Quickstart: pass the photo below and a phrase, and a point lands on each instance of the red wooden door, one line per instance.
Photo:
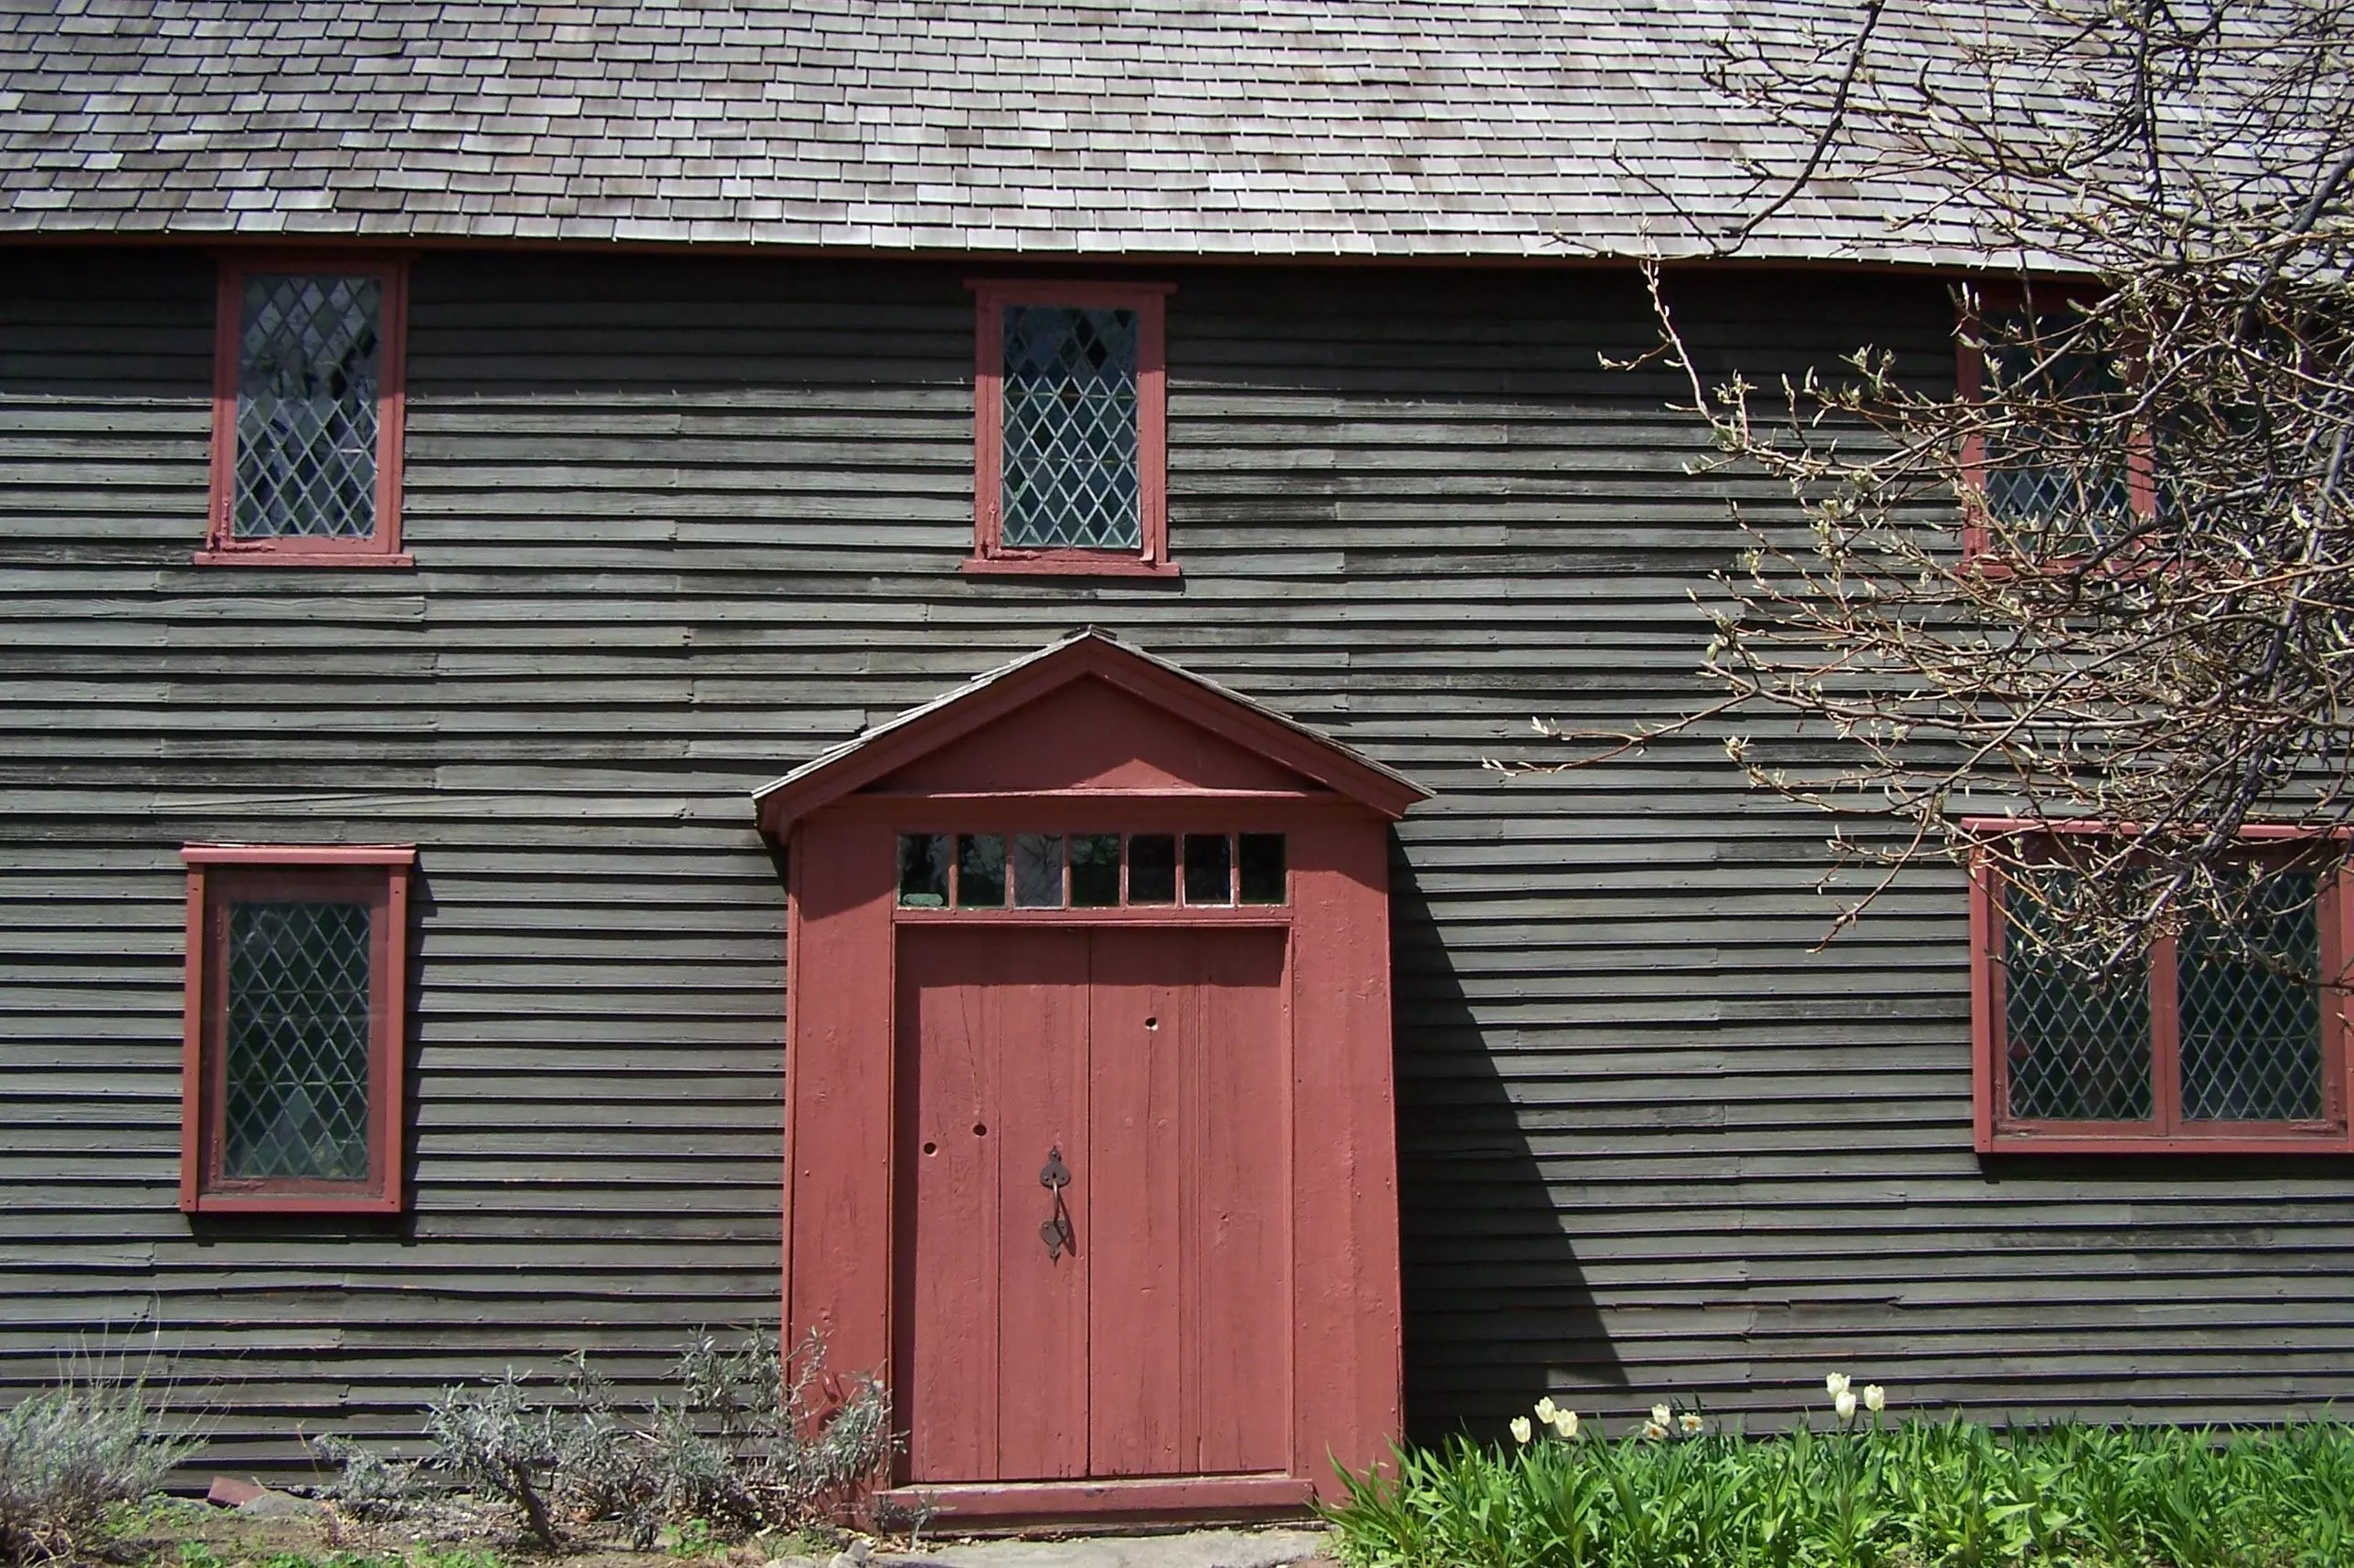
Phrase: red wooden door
(1157, 1063)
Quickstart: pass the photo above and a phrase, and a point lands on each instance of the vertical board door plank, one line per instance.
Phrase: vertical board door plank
(948, 1395)
(1239, 1204)
(1038, 980)
(1137, 1050)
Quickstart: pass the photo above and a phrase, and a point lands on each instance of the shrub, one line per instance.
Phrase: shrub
(69, 1456)
(1952, 1494)
(745, 1438)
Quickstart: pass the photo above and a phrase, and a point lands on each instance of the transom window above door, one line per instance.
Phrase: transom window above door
(1069, 443)
(1090, 871)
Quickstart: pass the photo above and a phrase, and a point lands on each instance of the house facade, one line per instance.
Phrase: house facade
(627, 636)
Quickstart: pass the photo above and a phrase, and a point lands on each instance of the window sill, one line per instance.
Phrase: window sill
(301, 558)
(2302, 1140)
(1068, 564)
(291, 1203)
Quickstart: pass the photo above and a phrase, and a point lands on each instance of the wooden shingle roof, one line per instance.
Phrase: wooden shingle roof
(1310, 128)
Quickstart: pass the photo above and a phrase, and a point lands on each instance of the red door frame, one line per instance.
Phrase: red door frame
(840, 822)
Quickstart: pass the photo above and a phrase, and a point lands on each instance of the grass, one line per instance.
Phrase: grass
(1916, 1494)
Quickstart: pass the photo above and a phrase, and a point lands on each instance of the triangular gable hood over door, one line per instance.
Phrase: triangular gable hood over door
(1204, 739)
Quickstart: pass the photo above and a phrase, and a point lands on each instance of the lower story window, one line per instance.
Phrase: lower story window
(292, 1079)
(2217, 1040)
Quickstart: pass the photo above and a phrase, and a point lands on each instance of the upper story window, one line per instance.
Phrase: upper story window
(307, 413)
(2218, 1041)
(292, 1078)
(2060, 477)
(1070, 429)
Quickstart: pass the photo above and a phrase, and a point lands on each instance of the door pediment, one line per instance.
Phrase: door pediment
(1089, 735)
(1088, 714)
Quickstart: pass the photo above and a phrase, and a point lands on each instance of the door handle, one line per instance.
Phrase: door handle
(1057, 1231)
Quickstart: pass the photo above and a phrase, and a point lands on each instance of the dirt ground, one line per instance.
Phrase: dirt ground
(185, 1533)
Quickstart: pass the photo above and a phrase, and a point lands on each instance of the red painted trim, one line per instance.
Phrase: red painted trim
(2166, 1132)
(1190, 1496)
(1066, 564)
(380, 548)
(1150, 301)
(1100, 659)
(217, 874)
(299, 854)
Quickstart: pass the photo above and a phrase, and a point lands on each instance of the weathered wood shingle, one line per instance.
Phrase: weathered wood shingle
(1429, 127)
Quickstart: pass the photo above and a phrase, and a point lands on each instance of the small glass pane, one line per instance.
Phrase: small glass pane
(1153, 868)
(1068, 476)
(2078, 1049)
(2251, 1031)
(980, 871)
(1209, 869)
(1094, 871)
(923, 871)
(1261, 859)
(297, 1042)
(1038, 871)
(306, 406)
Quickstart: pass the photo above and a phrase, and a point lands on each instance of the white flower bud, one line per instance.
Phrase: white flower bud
(1565, 1423)
(1519, 1428)
(1545, 1408)
(1875, 1399)
(1844, 1405)
(1659, 1413)
(1836, 1383)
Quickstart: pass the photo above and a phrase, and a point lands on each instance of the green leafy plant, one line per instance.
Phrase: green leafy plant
(1675, 1492)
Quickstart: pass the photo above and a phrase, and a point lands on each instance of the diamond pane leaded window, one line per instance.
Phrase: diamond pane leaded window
(2251, 1027)
(2225, 1037)
(2079, 501)
(2077, 1046)
(297, 1042)
(309, 372)
(1070, 472)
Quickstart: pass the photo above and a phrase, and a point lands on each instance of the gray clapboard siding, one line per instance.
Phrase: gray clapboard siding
(680, 523)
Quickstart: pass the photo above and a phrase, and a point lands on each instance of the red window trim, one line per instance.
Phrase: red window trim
(1996, 1132)
(378, 873)
(381, 548)
(1969, 381)
(1150, 301)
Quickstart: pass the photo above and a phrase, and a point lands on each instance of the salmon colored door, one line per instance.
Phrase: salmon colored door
(1141, 1328)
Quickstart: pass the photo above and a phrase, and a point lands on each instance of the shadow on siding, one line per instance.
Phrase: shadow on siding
(1497, 1310)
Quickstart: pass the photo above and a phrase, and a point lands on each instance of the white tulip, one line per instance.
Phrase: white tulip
(1844, 1405)
(1545, 1409)
(1875, 1399)
(1565, 1423)
(1836, 1383)
(1519, 1428)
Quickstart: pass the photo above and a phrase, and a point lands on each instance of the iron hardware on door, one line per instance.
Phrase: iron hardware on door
(1057, 1231)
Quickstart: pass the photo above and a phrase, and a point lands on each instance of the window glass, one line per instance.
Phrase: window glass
(2078, 1048)
(1153, 868)
(1260, 864)
(2033, 476)
(1038, 871)
(2250, 1030)
(924, 870)
(1069, 477)
(295, 1101)
(980, 871)
(1094, 871)
(1209, 869)
(309, 350)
